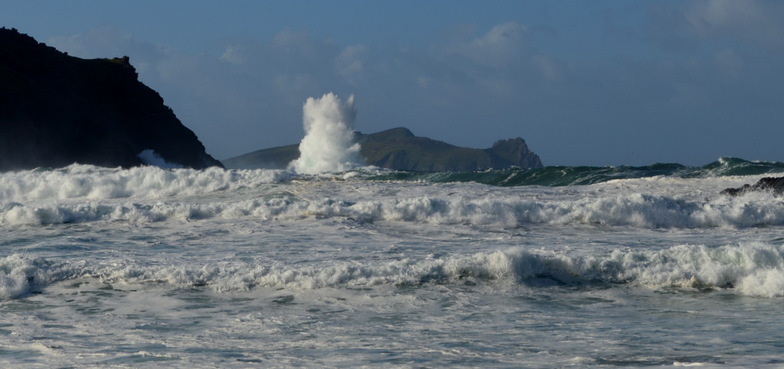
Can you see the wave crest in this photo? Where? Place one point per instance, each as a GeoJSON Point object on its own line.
{"type": "Point", "coordinates": [752, 269]}
{"type": "Point", "coordinates": [96, 183]}
{"type": "Point", "coordinates": [494, 209]}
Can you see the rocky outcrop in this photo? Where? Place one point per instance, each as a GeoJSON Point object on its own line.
{"type": "Point", "coordinates": [400, 149]}
{"type": "Point", "coordinates": [56, 110]}
{"type": "Point", "coordinates": [513, 152]}
{"type": "Point", "coordinates": [772, 184]}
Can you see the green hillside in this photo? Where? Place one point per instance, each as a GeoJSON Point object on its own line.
{"type": "Point", "coordinates": [400, 149]}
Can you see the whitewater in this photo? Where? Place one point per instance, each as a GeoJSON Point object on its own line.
{"type": "Point", "coordinates": [331, 263]}
{"type": "Point", "coordinates": [152, 267]}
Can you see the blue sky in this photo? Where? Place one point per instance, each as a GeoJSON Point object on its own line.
{"type": "Point", "coordinates": [584, 83]}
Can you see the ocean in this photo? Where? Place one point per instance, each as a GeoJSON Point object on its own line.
{"type": "Point", "coordinates": [545, 268]}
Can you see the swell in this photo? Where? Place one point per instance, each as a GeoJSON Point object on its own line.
{"type": "Point", "coordinates": [749, 268]}
{"type": "Point", "coordinates": [553, 176]}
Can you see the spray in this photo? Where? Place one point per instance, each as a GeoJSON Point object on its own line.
{"type": "Point", "coordinates": [329, 144]}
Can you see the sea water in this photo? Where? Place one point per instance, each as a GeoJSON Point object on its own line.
{"type": "Point", "coordinates": [584, 267]}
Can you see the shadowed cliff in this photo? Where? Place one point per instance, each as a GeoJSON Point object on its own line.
{"type": "Point", "coordinates": [400, 149]}
{"type": "Point", "coordinates": [56, 110]}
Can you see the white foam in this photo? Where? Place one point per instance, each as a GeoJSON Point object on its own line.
{"type": "Point", "coordinates": [96, 183]}
{"type": "Point", "coordinates": [150, 157]}
{"type": "Point", "coordinates": [79, 194]}
{"type": "Point", "coordinates": [328, 145]}
{"type": "Point", "coordinates": [23, 274]}
{"type": "Point", "coordinates": [755, 269]}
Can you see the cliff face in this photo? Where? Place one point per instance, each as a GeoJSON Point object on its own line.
{"type": "Point", "coordinates": [56, 110]}
{"type": "Point", "coordinates": [400, 149]}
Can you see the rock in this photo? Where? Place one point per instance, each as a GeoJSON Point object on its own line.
{"type": "Point", "coordinates": [773, 184]}
{"type": "Point", "coordinates": [514, 152]}
{"type": "Point", "coordinates": [400, 149]}
{"type": "Point", "coordinates": [56, 110]}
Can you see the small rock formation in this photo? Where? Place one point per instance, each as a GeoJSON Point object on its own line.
{"type": "Point", "coordinates": [773, 184]}
{"type": "Point", "coordinates": [56, 110]}
{"type": "Point", "coordinates": [400, 149]}
{"type": "Point", "coordinates": [513, 152]}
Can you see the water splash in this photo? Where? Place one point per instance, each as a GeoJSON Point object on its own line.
{"type": "Point", "coordinates": [151, 157]}
{"type": "Point", "coordinates": [329, 144]}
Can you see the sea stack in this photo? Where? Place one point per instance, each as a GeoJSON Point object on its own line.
{"type": "Point", "coordinates": [56, 110]}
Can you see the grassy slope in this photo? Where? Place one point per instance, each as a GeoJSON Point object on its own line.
{"type": "Point", "coordinates": [396, 148]}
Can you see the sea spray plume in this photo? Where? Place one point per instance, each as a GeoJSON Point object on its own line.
{"type": "Point", "coordinates": [328, 145]}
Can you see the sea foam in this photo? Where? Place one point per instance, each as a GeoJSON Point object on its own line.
{"type": "Point", "coordinates": [755, 269]}
{"type": "Point", "coordinates": [328, 145]}
{"type": "Point", "coordinates": [80, 194]}
{"type": "Point", "coordinates": [21, 274]}
{"type": "Point", "coordinates": [95, 183]}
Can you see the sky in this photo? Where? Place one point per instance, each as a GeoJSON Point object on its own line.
{"type": "Point", "coordinates": [582, 82]}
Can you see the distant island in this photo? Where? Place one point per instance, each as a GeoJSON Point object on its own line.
{"type": "Point", "coordinates": [400, 149]}
{"type": "Point", "coordinates": [56, 110]}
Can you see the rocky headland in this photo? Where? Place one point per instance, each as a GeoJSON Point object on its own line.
{"type": "Point", "coordinates": [400, 149]}
{"type": "Point", "coordinates": [56, 110]}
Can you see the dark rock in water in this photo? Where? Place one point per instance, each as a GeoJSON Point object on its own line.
{"type": "Point", "coordinates": [400, 149]}
{"type": "Point", "coordinates": [56, 110]}
{"type": "Point", "coordinates": [773, 184]}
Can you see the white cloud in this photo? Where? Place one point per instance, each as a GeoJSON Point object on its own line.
{"type": "Point", "coordinates": [350, 63]}
{"type": "Point", "coordinates": [233, 53]}
{"type": "Point", "coordinates": [698, 24]}
{"type": "Point", "coordinates": [754, 20]}
{"type": "Point", "coordinates": [288, 38]}
{"type": "Point", "coordinates": [100, 42]}
{"type": "Point", "coordinates": [546, 66]}
{"type": "Point", "coordinates": [503, 46]}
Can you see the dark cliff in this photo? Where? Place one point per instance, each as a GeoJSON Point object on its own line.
{"type": "Point", "coordinates": [56, 110]}
{"type": "Point", "coordinates": [400, 149]}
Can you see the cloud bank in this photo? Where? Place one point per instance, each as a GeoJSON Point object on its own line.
{"type": "Point", "coordinates": [690, 82]}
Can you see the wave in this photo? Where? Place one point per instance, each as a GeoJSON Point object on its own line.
{"type": "Point", "coordinates": [495, 209]}
{"type": "Point", "coordinates": [94, 183]}
{"type": "Point", "coordinates": [21, 275]}
{"type": "Point", "coordinates": [91, 182]}
{"type": "Point", "coordinates": [755, 269]}
{"type": "Point", "coordinates": [80, 194]}
{"type": "Point", "coordinates": [584, 175]}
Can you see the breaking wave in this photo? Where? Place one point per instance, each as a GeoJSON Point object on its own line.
{"type": "Point", "coordinates": [94, 183]}
{"type": "Point", "coordinates": [153, 195]}
{"type": "Point", "coordinates": [751, 268]}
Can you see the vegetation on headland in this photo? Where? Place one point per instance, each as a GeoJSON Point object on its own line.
{"type": "Point", "coordinates": [400, 149]}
